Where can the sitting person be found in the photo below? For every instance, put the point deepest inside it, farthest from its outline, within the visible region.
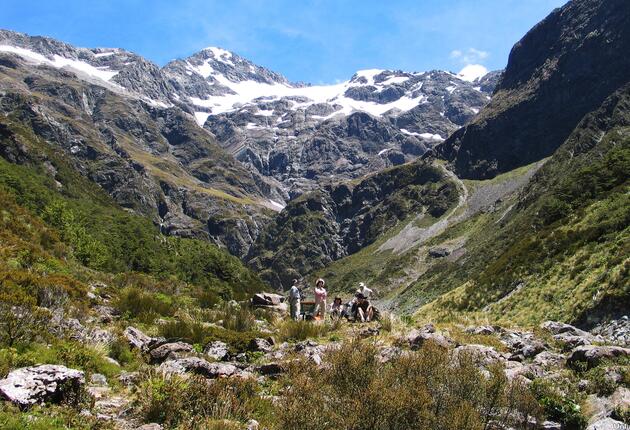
(337, 309)
(365, 311)
(362, 309)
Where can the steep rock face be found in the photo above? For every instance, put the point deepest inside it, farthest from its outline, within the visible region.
(151, 159)
(559, 71)
(303, 135)
(325, 225)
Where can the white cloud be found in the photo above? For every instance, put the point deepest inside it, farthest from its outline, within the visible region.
(469, 56)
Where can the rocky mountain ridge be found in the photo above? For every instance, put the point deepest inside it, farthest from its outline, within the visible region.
(296, 134)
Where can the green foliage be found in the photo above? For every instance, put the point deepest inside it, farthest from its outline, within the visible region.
(562, 407)
(47, 418)
(295, 331)
(69, 353)
(423, 390)
(191, 402)
(20, 318)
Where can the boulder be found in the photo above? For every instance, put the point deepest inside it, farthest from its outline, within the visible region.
(417, 338)
(98, 379)
(551, 425)
(168, 350)
(555, 327)
(267, 299)
(607, 424)
(592, 355)
(260, 344)
(137, 338)
(270, 369)
(38, 384)
(439, 252)
(547, 359)
(571, 341)
(199, 366)
(481, 330)
(481, 354)
(217, 350)
(389, 353)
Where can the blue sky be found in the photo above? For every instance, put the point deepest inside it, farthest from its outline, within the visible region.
(317, 41)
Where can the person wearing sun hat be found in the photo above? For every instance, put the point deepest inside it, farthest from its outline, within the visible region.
(367, 292)
(320, 298)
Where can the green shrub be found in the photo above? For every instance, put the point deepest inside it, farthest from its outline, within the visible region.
(186, 402)
(289, 330)
(20, 318)
(136, 303)
(562, 407)
(48, 418)
(424, 390)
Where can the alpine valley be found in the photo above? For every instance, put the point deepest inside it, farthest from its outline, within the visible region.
(145, 210)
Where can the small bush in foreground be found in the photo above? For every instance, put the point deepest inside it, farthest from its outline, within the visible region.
(189, 402)
(425, 390)
(301, 330)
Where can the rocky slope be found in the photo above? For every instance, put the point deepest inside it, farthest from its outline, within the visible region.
(325, 225)
(130, 126)
(559, 71)
(149, 155)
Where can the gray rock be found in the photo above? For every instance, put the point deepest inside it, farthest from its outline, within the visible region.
(439, 252)
(98, 379)
(259, 344)
(592, 355)
(151, 426)
(548, 359)
(481, 330)
(482, 354)
(607, 424)
(253, 425)
(217, 350)
(137, 338)
(168, 350)
(39, 384)
(199, 366)
(417, 339)
(270, 369)
(551, 425)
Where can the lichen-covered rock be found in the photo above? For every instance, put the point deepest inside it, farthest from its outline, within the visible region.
(136, 338)
(592, 355)
(217, 350)
(607, 424)
(168, 350)
(39, 384)
(199, 366)
(418, 338)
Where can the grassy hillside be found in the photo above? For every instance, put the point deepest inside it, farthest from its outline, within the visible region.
(56, 221)
(562, 251)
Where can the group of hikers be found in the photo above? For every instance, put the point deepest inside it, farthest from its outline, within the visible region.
(358, 309)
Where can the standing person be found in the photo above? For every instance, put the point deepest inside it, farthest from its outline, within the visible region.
(320, 298)
(294, 300)
(365, 290)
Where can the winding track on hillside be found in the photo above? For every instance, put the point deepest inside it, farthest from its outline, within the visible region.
(411, 235)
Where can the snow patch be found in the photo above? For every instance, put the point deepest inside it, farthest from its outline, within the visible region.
(103, 73)
(201, 118)
(472, 72)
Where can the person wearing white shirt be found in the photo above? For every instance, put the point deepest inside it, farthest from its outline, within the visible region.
(294, 300)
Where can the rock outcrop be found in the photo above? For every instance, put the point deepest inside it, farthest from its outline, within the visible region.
(40, 384)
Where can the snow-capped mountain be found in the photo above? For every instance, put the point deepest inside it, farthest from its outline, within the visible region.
(301, 135)
(305, 134)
